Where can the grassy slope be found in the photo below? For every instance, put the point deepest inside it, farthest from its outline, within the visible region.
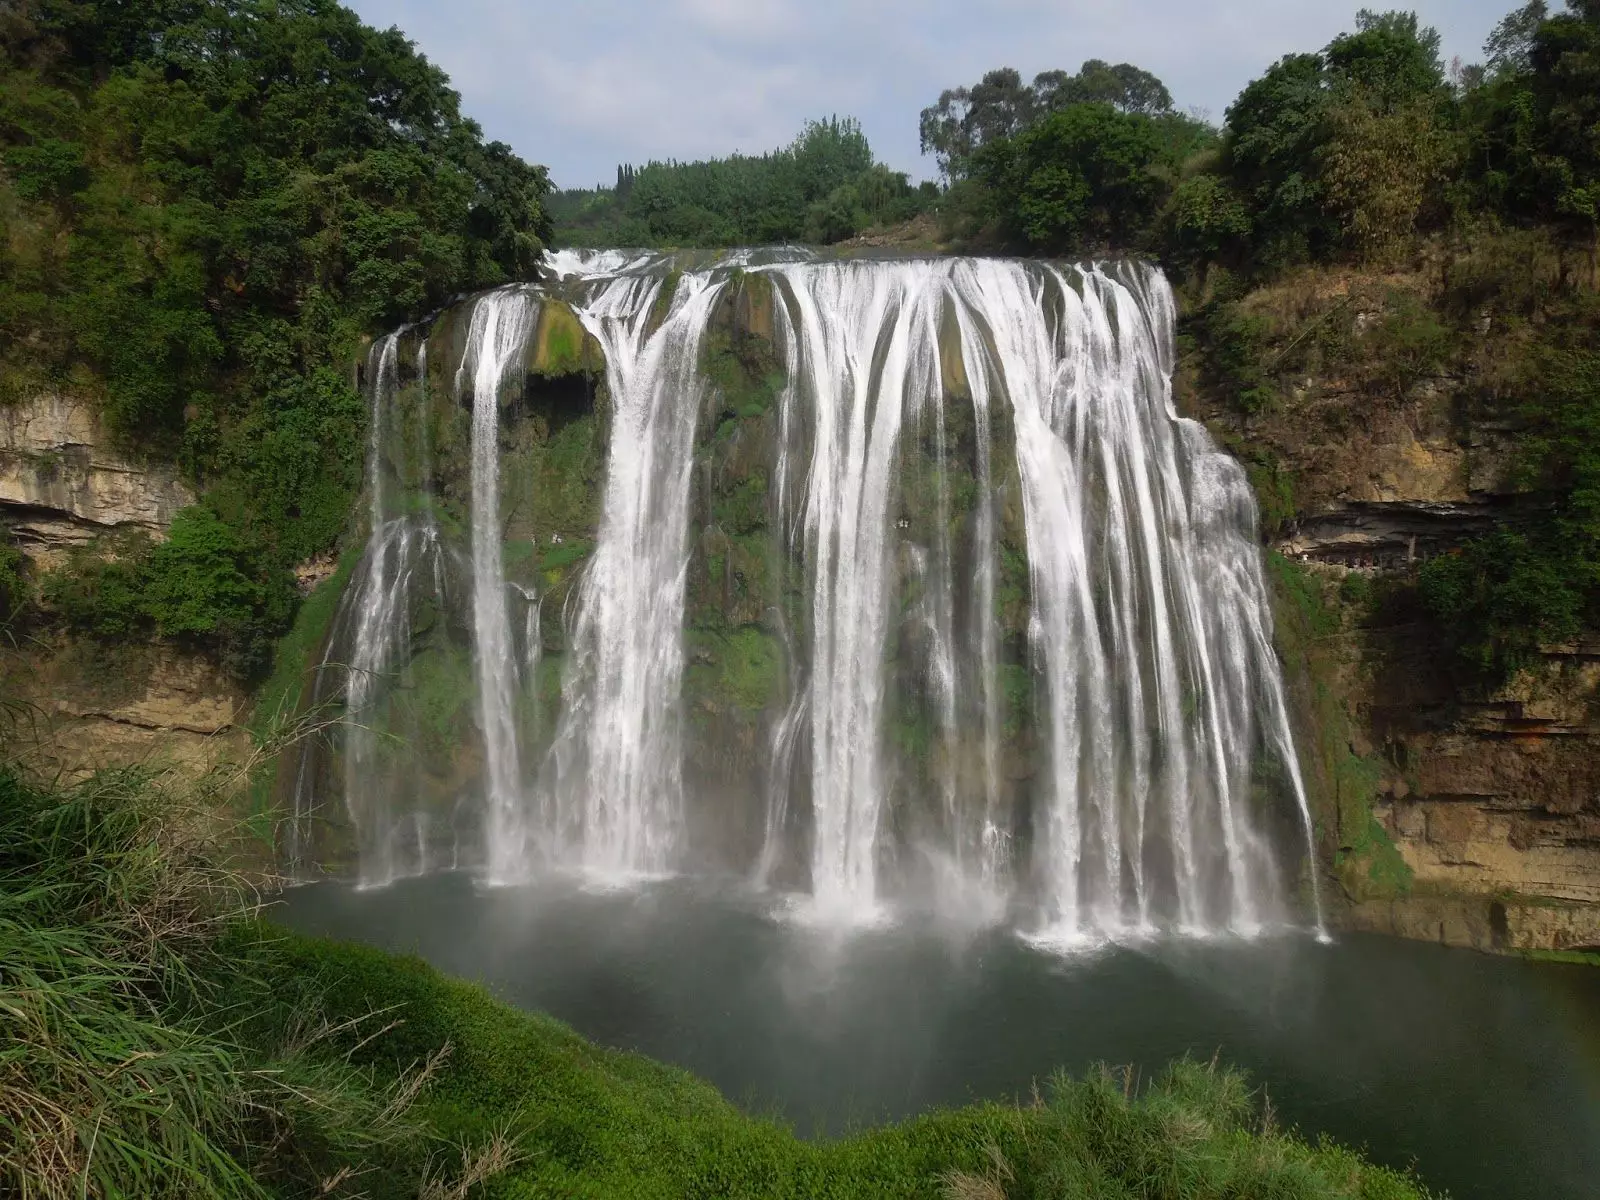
(597, 1123)
(156, 1041)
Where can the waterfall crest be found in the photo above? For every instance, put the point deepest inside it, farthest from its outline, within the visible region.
(1025, 633)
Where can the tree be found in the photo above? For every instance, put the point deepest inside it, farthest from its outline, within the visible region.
(824, 186)
(1080, 179)
(1376, 168)
(1509, 49)
(1125, 87)
(966, 119)
(1271, 140)
(1000, 106)
(1533, 150)
(208, 204)
(1391, 59)
(1206, 221)
(1339, 149)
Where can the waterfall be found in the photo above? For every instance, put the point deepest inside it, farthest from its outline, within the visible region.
(972, 464)
(994, 837)
(616, 763)
(497, 341)
(865, 337)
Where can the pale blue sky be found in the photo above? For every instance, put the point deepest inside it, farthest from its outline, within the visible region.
(585, 84)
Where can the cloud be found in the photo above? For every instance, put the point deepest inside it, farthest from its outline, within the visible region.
(755, 21)
(582, 87)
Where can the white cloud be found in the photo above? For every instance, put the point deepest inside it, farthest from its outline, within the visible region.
(760, 21)
(584, 86)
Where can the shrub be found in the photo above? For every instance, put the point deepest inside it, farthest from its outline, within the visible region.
(1500, 597)
(1407, 344)
(1233, 354)
(99, 597)
(14, 590)
(202, 587)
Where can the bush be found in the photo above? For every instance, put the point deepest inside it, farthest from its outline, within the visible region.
(14, 590)
(102, 598)
(1233, 349)
(202, 588)
(1407, 344)
(1502, 596)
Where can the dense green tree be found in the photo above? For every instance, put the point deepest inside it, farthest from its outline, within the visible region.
(1509, 48)
(1001, 106)
(1079, 179)
(964, 119)
(1272, 136)
(208, 204)
(1391, 59)
(1205, 221)
(1124, 86)
(1338, 149)
(1533, 130)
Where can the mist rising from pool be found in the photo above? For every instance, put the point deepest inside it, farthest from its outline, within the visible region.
(1483, 1072)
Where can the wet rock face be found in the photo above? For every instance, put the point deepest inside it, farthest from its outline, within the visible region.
(62, 483)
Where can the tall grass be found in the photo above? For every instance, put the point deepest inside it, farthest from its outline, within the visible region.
(125, 1069)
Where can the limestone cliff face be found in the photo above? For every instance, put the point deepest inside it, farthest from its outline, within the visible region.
(77, 708)
(1490, 798)
(62, 483)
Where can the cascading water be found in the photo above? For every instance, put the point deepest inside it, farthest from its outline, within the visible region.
(616, 763)
(1150, 668)
(847, 322)
(501, 323)
(973, 464)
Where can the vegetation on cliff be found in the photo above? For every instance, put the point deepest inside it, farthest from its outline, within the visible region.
(207, 204)
(160, 1041)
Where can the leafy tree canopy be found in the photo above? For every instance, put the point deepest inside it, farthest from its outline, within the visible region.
(207, 204)
(1000, 105)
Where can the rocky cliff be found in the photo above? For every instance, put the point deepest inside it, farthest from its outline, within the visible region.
(63, 487)
(62, 483)
(1449, 810)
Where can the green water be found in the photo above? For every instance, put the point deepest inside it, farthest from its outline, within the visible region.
(1483, 1073)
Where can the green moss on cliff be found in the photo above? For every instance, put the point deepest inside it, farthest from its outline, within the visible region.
(299, 652)
(662, 307)
(1342, 784)
(561, 345)
(742, 509)
(742, 669)
(438, 693)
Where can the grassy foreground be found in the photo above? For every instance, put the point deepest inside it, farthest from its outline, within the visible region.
(158, 1040)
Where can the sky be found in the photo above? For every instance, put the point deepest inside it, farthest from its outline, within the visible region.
(586, 84)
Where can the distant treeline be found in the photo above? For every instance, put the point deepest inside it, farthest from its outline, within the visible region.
(823, 188)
